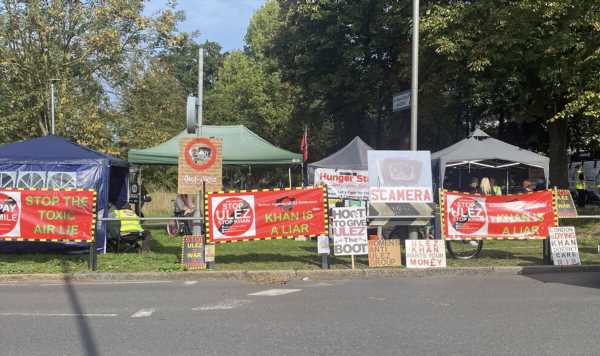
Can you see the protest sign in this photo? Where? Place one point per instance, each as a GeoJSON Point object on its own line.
{"type": "Point", "coordinates": [47, 215]}
{"type": "Point", "coordinates": [400, 177]}
{"type": "Point", "coordinates": [563, 244]}
{"type": "Point", "coordinates": [192, 252]}
{"type": "Point", "coordinates": [209, 253]}
{"type": "Point", "coordinates": [344, 184]}
{"type": "Point", "coordinates": [323, 245]}
{"type": "Point", "coordinates": [200, 161]}
{"type": "Point", "coordinates": [564, 204]}
{"type": "Point", "coordinates": [519, 216]}
{"type": "Point", "coordinates": [349, 230]}
{"type": "Point", "coordinates": [267, 214]}
{"type": "Point", "coordinates": [425, 253]}
{"type": "Point", "coordinates": [384, 253]}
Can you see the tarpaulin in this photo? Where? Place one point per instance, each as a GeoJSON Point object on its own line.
{"type": "Point", "coordinates": [517, 216]}
{"type": "Point", "coordinates": [266, 214]}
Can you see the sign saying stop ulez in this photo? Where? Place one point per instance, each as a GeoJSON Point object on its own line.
{"type": "Point", "coordinates": [266, 214]}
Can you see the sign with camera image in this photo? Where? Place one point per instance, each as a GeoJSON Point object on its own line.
{"type": "Point", "coordinates": [200, 161]}
{"type": "Point", "coordinates": [268, 214]}
{"type": "Point", "coordinates": [400, 177]}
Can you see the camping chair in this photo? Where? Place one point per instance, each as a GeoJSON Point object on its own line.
{"type": "Point", "coordinates": [127, 232]}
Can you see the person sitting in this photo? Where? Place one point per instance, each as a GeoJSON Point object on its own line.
{"type": "Point", "coordinates": [485, 187]}
{"type": "Point", "coordinates": [185, 207]}
{"type": "Point", "coordinates": [496, 189]}
{"type": "Point", "coordinates": [526, 187]}
{"type": "Point", "coordinates": [474, 186]}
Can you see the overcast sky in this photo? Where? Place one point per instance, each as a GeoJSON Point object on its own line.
{"type": "Point", "coordinates": [222, 21]}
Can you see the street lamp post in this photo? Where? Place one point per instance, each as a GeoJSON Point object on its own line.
{"type": "Point", "coordinates": [52, 122]}
{"type": "Point", "coordinates": [414, 77]}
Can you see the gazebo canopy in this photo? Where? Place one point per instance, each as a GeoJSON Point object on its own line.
{"type": "Point", "coordinates": [353, 156]}
{"type": "Point", "coordinates": [485, 151]}
{"type": "Point", "coordinates": [240, 147]}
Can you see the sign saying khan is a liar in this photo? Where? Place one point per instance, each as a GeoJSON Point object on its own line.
{"type": "Point", "coordinates": [349, 227]}
{"type": "Point", "coordinates": [425, 253]}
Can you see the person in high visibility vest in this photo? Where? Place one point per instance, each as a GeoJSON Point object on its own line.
{"type": "Point", "coordinates": [130, 221]}
{"type": "Point", "coordinates": [580, 187]}
{"type": "Point", "coordinates": [496, 189]}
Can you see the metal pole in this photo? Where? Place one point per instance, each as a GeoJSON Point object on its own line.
{"type": "Point", "coordinates": [414, 77]}
{"type": "Point", "coordinates": [200, 87]}
{"type": "Point", "coordinates": [52, 106]}
{"type": "Point", "coordinates": [412, 231]}
{"type": "Point", "coordinates": [290, 175]}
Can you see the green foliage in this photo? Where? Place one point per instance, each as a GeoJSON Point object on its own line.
{"type": "Point", "coordinates": [83, 44]}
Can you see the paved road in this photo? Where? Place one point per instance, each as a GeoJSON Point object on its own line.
{"type": "Point", "coordinates": [553, 314]}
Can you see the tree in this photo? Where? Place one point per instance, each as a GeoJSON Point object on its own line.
{"type": "Point", "coordinates": [525, 61]}
{"type": "Point", "coordinates": [86, 46]}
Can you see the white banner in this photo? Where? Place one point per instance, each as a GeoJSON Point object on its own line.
{"type": "Point", "coordinates": [344, 184]}
{"type": "Point", "coordinates": [349, 229]}
{"type": "Point", "coordinates": [425, 254]}
{"type": "Point", "coordinates": [400, 177]}
{"type": "Point", "coordinates": [563, 244]}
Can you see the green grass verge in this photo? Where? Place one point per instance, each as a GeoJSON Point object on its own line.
{"type": "Point", "coordinates": [278, 254]}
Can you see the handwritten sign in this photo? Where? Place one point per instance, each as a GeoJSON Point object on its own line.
{"type": "Point", "coordinates": [425, 254]}
{"type": "Point", "coordinates": [349, 230]}
{"type": "Point", "coordinates": [192, 252]}
{"type": "Point", "coordinates": [563, 243]}
{"type": "Point", "coordinates": [209, 253]}
{"type": "Point", "coordinates": [384, 253]}
{"type": "Point", "coordinates": [564, 204]}
{"type": "Point", "coordinates": [47, 215]}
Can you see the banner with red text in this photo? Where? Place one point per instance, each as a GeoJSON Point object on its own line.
{"type": "Point", "coordinates": [281, 213]}
{"type": "Point", "coordinates": [344, 183]}
{"type": "Point", "coordinates": [47, 215]}
{"type": "Point", "coordinates": [518, 216]}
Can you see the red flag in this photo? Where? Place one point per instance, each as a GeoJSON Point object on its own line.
{"type": "Point", "coordinates": [304, 144]}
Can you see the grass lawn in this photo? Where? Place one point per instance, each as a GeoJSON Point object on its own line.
{"type": "Point", "coordinates": [280, 254]}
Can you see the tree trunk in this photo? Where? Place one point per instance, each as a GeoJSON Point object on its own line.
{"type": "Point", "coordinates": [559, 161]}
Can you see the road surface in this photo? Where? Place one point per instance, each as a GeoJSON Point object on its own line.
{"type": "Point", "coordinates": [546, 314]}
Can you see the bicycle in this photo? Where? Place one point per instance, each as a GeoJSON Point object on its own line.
{"type": "Point", "coordinates": [178, 227]}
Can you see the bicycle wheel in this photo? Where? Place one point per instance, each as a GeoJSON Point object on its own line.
{"type": "Point", "coordinates": [464, 250]}
{"type": "Point", "coordinates": [172, 228]}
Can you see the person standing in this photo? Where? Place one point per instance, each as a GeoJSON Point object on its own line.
{"type": "Point", "coordinates": [485, 188]}
{"type": "Point", "coordinates": [496, 189]}
{"type": "Point", "coordinates": [580, 187]}
{"type": "Point", "coordinates": [474, 186]}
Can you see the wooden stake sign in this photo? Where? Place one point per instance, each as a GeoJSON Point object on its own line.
{"type": "Point", "coordinates": [200, 160]}
{"type": "Point", "coordinates": [192, 253]}
{"type": "Point", "coordinates": [384, 253]}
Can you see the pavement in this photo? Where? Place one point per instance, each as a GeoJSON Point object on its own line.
{"type": "Point", "coordinates": [462, 314]}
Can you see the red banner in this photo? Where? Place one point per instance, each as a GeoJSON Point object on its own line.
{"type": "Point", "coordinates": [517, 216]}
{"type": "Point", "coordinates": [284, 213]}
{"type": "Point", "coordinates": [47, 215]}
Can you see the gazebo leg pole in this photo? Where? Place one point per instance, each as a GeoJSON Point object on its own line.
{"type": "Point", "coordinates": [290, 175]}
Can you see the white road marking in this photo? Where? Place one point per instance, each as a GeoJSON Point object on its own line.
{"type": "Point", "coordinates": [224, 305]}
{"type": "Point", "coordinates": [104, 283]}
{"type": "Point", "coordinates": [143, 313]}
{"type": "Point", "coordinates": [190, 283]}
{"type": "Point", "coordinates": [274, 292]}
{"type": "Point", "coordinates": [87, 315]}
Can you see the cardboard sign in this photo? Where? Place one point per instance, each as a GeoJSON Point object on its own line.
{"type": "Point", "coordinates": [563, 244]}
{"type": "Point", "coordinates": [564, 204]}
{"type": "Point", "coordinates": [400, 177]}
{"type": "Point", "coordinates": [280, 213]}
{"type": "Point", "coordinates": [209, 253]}
{"type": "Point", "coordinates": [349, 230]}
{"type": "Point", "coordinates": [323, 245]}
{"type": "Point", "coordinates": [200, 160]}
{"type": "Point", "coordinates": [425, 253]}
{"type": "Point", "coordinates": [192, 252]}
{"type": "Point", "coordinates": [344, 184]}
{"type": "Point", "coordinates": [384, 253]}
{"type": "Point", "coordinates": [518, 216]}
{"type": "Point", "coordinates": [47, 215]}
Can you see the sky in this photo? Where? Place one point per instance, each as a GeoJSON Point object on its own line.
{"type": "Point", "coordinates": [222, 21]}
